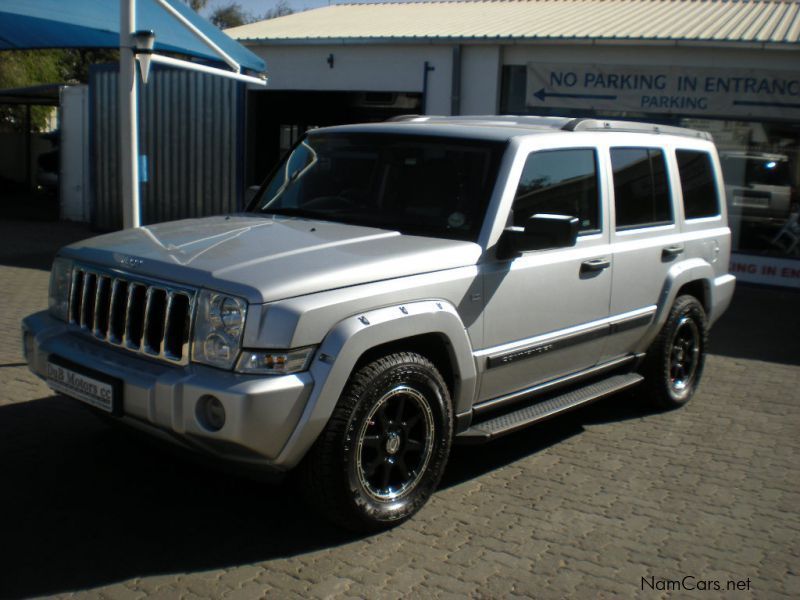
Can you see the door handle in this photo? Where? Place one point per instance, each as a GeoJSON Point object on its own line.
{"type": "Point", "coordinates": [671, 251]}
{"type": "Point", "coordinates": [595, 265]}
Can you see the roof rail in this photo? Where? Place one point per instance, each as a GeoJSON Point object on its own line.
{"type": "Point", "coordinates": [585, 124]}
{"type": "Point", "coordinates": [400, 118]}
{"type": "Point", "coordinates": [523, 121]}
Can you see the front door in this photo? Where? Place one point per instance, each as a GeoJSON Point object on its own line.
{"type": "Point", "coordinates": [546, 311]}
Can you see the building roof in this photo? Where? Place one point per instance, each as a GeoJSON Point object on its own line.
{"type": "Point", "coordinates": [691, 21]}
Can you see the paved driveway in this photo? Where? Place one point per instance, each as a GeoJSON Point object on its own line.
{"type": "Point", "coordinates": [610, 501]}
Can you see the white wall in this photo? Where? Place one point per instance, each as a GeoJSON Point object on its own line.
{"type": "Point", "coordinates": [480, 80]}
{"type": "Point", "coordinates": [361, 67]}
{"type": "Point", "coordinates": [74, 175]}
{"type": "Point", "coordinates": [399, 67]}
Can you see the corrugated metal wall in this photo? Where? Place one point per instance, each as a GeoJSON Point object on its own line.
{"type": "Point", "coordinates": [191, 130]}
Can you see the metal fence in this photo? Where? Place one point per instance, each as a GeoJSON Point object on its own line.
{"type": "Point", "coordinates": [191, 129]}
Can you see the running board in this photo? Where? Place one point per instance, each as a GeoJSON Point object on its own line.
{"type": "Point", "coordinates": [528, 415]}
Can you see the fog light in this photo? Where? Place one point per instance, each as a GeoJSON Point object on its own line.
{"type": "Point", "coordinates": [210, 413]}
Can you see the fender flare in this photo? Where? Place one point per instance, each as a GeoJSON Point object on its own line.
{"type": "Point", "coordinates": [687, 271]}
{"type": "Point", "coordinates": [349, 339]}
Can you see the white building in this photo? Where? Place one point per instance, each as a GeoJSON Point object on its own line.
{"type": "Point", "coordinates": [730, 67]}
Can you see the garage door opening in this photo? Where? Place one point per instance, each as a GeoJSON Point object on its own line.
{"type": "Point", "coordinates": [277, 119]}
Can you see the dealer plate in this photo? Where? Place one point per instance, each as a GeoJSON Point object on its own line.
{"type": "Point", "coordinates": [100, 394]}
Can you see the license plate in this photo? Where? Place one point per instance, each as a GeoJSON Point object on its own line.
{"type": "Point", "coordinates": [88, 389]}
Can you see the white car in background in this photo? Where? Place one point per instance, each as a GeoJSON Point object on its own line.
{"type": "Point", "coordinates": [758, 186]}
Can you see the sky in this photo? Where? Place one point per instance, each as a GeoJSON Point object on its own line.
{"type": "Point", "coordinates": [259, 7]}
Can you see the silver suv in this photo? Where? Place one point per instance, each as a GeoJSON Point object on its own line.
{"type": "Point", "coordinates": [394, 288]}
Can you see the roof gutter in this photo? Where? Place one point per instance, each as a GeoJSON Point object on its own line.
{"type": "Point", "coordinates": [508, 40]}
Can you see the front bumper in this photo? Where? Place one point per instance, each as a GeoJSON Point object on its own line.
{"type": "Point", "coordinates": [261, 412]}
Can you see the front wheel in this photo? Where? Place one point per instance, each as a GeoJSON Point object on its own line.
{"type": "Point", "coordinates": [385, 447]}
{"type": "Point", "coordinates": [674, 362]}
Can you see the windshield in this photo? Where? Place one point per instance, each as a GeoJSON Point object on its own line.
{"type": "Point", "coordinates": [746, 171]}
{"type": "Point", "coordinates": [417, 185]}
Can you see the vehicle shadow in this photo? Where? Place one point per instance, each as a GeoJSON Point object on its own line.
{"type": "Point", "coordinates": [87, 505]}
{"type": "Point", "coordinates": [33, 245]}
{"type": "Point", "coordinates": [471, 461]}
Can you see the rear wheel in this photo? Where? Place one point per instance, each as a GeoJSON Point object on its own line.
{"type": "Point", "coordinates": [674, 362]}
{"type": "Point", "coordinates": [385, 447]}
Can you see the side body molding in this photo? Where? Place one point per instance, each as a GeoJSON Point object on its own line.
{"type": "Point", "coordinates": [355, 335]}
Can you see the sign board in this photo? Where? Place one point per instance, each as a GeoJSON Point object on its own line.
{"type": "Point", "coordinates": [766, 270]}
{"type": "Point", "coordinates": [675, 90]}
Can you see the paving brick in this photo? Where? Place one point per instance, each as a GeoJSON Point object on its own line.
{"type": "Point", "coordinates": [583, 506]}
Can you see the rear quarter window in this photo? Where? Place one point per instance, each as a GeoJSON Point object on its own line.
{"type": "Point", "coordinates": [700, 194]}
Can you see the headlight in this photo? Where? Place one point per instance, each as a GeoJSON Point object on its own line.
{"type": "Point", "coordinates": [275, 362]}
{"type": "Point", "coordinates": [60, 279]}
{"type": "Point", "coordinates": [218, 329]}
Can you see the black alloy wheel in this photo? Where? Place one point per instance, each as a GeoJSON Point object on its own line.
{"type": "Point", "coordinates": [395, 443]}
{"type": "Point", "coordinates": [684, 356]}
{"type": "Point", "coordinates": [674, 362]}
{"type": "Point", "coordinates": [384, 449]}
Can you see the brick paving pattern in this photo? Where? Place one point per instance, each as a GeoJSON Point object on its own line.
{"type": "Point", "coordinates": [582, 507]}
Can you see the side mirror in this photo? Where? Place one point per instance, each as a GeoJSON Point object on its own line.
{"type": "Point", "coordinates": [540, 232]}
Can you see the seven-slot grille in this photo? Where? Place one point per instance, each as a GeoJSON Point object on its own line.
{"type": "Point", "coordinates": [146, 318]}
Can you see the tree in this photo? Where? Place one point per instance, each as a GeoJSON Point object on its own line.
{"type": "Point", "coordinates": [26, 68]}
{"type": "Point", "coordinates": [76, 63]}
{"type": "Point", "coordinates": [281, 9]}
{"type": "Point", "coordinates": [196, 5]}
{"type": "Point", "coordinates": [230, 15]}
{"type": "Point", "coordinates": [233, 15]}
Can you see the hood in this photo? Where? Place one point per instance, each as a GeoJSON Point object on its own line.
{"type": "Point", "coordinates": [267, 258]}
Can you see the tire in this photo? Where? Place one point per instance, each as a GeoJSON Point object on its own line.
{"type": "Point", "coordinates": [674, 362]}
{"type": "Point", "coordinates": [384, 449]}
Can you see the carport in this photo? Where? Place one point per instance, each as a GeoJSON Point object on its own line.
{"type": "Point", "coordinates": [145, 31]}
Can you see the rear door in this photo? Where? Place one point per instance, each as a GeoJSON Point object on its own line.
{"type": "Point", "coordinates": [645, 237]}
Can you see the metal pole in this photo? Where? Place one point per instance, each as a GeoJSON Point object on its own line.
{"type": "Point", "coordinates": [455, 84]}
{"type": "Point", "coordinates": [190, 66]}
{"type": "Point", "coordinates": [427, 68]}
{"type": "Point", "coordinates": [128, 116]}
{"type": "Point", "coordinates": [200, 35]}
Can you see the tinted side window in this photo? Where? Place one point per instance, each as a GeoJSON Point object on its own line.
{"type": "Point", "coordinates": [641, 191]}
{"type": "Point", "coordinates": [561, 182]}
{"type": "Point", "coordinates": [700, 197]}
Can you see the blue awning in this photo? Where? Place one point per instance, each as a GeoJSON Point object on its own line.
{"type": "Point", "coordinates": [28, 24]}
